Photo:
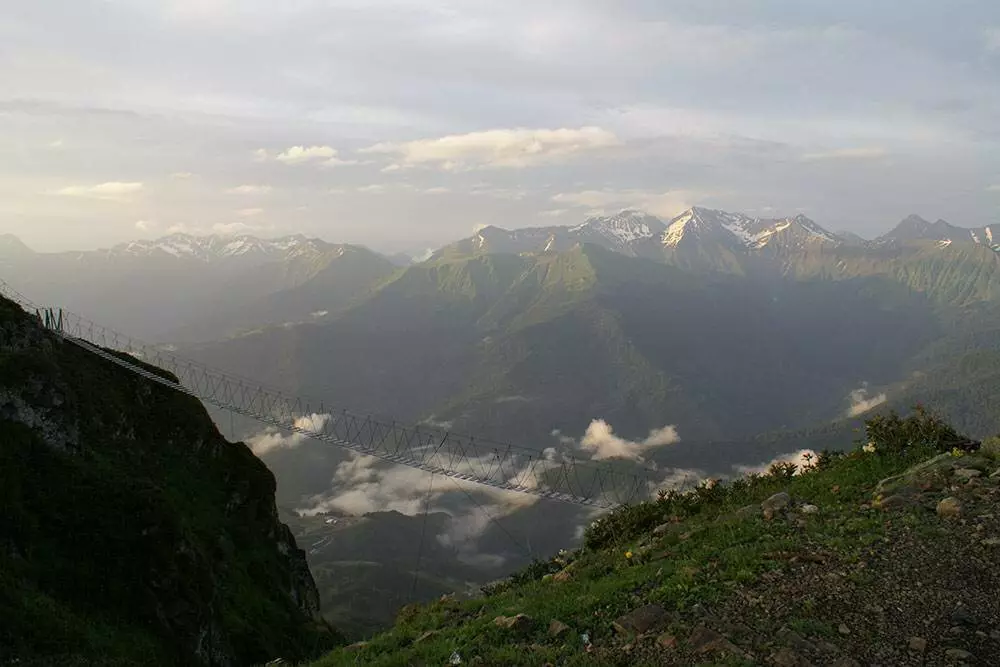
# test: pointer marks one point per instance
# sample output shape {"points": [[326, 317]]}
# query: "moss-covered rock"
{"points": [[131, 531]]}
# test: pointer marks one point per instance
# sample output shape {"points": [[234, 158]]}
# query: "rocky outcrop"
{"points": [[131, 527]]}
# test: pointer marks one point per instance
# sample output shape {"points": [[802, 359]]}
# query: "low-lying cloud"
{"points": [[601, 442], [862, 403], [272, 438], [803, 459]]}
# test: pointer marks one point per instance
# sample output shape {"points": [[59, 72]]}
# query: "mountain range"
{"points": [[183, 287], [752, 337]]}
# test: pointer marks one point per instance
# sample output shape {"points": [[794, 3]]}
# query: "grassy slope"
{"points": [[743, 569]]}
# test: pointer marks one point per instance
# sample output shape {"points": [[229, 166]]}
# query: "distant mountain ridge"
{"points": [[638, 234], [699, 237], [182, 285], [915, 228]]}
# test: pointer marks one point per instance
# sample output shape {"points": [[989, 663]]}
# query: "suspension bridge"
{"points": [[460, 457]]}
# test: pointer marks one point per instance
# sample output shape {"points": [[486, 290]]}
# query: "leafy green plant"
{"points": [[890, 433]]}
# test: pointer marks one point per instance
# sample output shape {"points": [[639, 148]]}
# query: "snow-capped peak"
{"points": [[625, 227], [738, 228], [216, 248]]}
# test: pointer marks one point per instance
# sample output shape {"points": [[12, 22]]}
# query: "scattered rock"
{"points": [[661, 529], [642, 620], [991, 542], [356, 646], [949, 508], [895, 502], [796, 641], [843, 629], [562, 575], [968, 473], [827, 647], [809, 509], [962, 616], [957, 654], [706, 640], [995, 634], [845, 662], [775, 504], [918, 644], [557, 628], [519, 623], [786, 657], [666, 640], [430, 634]]}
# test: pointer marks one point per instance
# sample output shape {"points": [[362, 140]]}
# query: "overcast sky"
{"points": [[402, 124]]}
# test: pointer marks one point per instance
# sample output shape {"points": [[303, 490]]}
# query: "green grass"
{"points": [[701, 559]]}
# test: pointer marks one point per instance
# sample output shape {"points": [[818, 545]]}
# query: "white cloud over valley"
{"points": [[271, 439], [600, 442], [861, 402]]}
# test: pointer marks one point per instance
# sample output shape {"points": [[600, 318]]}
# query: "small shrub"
{"points": [[892, 434]]}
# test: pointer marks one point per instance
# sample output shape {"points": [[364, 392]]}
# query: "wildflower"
{"points": [[628, 554], [870, 448], [956, 452]]}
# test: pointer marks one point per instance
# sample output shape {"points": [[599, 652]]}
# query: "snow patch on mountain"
{"points": [[743, 230], [625, 227], [217, 248]]}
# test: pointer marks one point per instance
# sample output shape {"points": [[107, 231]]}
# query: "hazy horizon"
{"points": [[265, 235]]}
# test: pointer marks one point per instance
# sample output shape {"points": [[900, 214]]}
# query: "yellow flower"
{"points": [[628, 554], [957, 452]]}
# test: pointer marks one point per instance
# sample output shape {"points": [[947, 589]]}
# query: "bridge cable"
{"points": [[423, 532]]}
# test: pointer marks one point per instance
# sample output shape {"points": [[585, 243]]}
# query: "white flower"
{"points": [[870, 448]]}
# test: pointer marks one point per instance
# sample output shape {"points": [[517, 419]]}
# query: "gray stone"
{"points": [[808, 509], [706, 640], [666, 640], [642, 620], [962, 616], [519, 623], [558, 628], [957, 654], [430, 634], [918, 644], [894, 503], [661, 529], [843, 629], [796, 641], [968, 473], [776, 503], [786, 657], [949, 508], [748, 511]]}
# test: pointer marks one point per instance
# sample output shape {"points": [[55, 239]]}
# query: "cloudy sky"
{"points": [[402, 124]]}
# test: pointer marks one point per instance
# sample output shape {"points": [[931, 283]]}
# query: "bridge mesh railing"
{"points": [[462, 457]]}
